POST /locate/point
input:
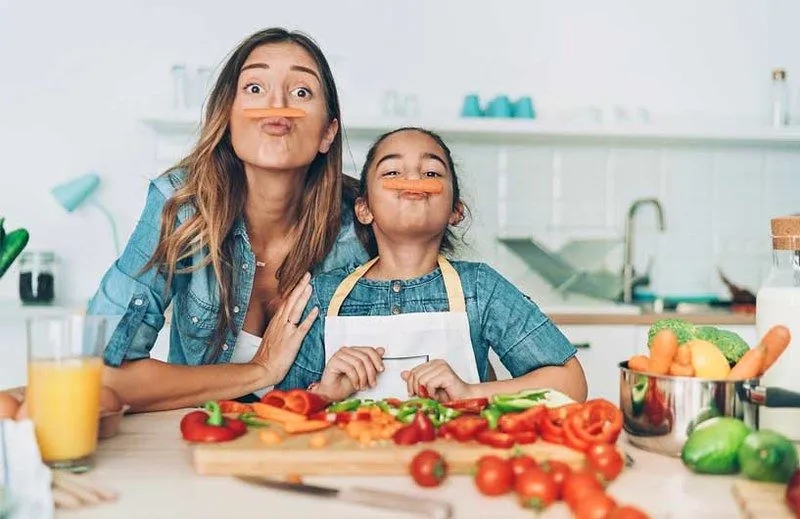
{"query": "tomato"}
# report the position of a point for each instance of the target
(605, 460)
(522, 463)
(627, 512)
(559, 472)
(595, 505)
(512, 422)
(524, 437)
(464, 428)
(536, 489)
(428, 468)
(468, 405)
(793, 493)
(496, 439)
(494, 476)
(577, 485)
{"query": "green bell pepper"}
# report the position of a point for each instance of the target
(492, 415)
(252, 420)
(344, 406)
(521, 401)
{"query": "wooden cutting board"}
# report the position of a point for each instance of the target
(761, 500)
(344, 456)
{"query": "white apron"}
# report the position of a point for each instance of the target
(409, 339)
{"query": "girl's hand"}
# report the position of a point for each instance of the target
(437, 380)
(285, 334)
(349, 370)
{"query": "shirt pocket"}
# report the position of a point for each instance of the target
(196, 321)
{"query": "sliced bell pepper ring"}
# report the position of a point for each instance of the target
(525, 437)
(571, 437)
(275, 398)
(304, 402)
(496, 439)
(465, 427)
(345, 405)
(492, 416)
(209, 425)
(597, 424)
(469, 405)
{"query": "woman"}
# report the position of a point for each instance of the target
(229, 235)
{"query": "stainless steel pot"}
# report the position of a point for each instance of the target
(661, 411)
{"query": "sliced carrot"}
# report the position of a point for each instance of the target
(317, 441)
(681, 370)
(293, 478)
(270, 436)
(663, 351)
(305, 426)
(232, 406)
(684, 356)
(275, 414)
(260, 113)
(639, 363)
(775, 341)
(423, 185)
(750, 365)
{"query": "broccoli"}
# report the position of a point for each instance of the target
(729, 343)
(684, 330)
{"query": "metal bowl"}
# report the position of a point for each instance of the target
(661, 411)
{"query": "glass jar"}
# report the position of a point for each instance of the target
(778, 303)
(37, 277)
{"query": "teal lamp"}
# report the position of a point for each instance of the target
(74, 193)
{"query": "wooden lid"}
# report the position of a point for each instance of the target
(786, 233)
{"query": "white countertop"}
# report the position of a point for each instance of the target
(150, 466)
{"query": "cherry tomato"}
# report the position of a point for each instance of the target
(522, 463)
(627, 512)
(578, 485)
(536, 489)
(559, 472)
(428, 468)
(494, 476)
(605, 460)
(595, 505)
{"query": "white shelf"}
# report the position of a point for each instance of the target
(14, 311)
(490, 130)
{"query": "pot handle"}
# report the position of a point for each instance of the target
(771, 396)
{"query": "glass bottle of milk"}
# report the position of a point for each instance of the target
(778, 302)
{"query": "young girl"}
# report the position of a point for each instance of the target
(409, 322)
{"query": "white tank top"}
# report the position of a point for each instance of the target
(243, 352)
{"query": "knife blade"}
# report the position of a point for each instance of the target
(432, 508)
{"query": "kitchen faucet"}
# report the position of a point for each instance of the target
(627, 263)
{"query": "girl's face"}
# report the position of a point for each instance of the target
(403, 215)
(280, 75)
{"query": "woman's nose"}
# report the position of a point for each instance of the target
(276, 98)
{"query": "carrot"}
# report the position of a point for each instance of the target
(681, 370)
(293, 478)
(317, 441)
(297, 426)
(775, 341)
(232, 406)
(684, 356)
(260, 113)
(275, 414)
(750, 365)
(639, 363)
(424, 185)
(663, 351)
(269, 436)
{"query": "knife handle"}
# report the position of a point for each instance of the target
(410, 503)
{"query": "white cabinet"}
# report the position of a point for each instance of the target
(600, 349)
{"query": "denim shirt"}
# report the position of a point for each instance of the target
(135, 302)
(500, 317)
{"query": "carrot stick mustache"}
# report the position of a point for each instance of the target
(260, 113)
(424, 185)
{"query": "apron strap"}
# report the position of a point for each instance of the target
(452, 283)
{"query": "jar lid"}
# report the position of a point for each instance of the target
(786, 233)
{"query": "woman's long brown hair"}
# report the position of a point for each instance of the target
(215, 187)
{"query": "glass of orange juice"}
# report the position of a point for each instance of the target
(64, 378)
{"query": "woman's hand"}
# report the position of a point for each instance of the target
(285, 334)
(349, 370)
(438, 381)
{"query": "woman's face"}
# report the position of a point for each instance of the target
(280, 75)
(408, 155)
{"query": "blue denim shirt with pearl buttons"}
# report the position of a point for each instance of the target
(136, 301)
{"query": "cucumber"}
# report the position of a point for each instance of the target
(2, 232)
(13, 243)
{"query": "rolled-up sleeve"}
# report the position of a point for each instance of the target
(133, 300)
(523, 337)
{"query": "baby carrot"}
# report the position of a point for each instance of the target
(663, 351)
(681, 370)
(639, 363)
(750, 365)
(775, 341)
(684, 356)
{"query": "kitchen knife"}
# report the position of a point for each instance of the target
(363, 496)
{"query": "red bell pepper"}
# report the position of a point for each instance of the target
(304, 402)
(406, 435)
(210, 426)
(464, 428)
(394, 402)
(468, 405)
(232, 406)
(524, 437)
(275, 398)
(599, 421)
(496, 439)
(427, 432)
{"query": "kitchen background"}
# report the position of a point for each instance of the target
(667, 100)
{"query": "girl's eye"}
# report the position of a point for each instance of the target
(433, 174)
(389, 174)
(253, 88)
(301, 92)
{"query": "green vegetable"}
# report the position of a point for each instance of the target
(437, 413)
(729, 343)
(768, 456)
(12, 245)
(638, 393)
(713, 447)
(520, 401)
(344, 406)
(684, 330)
(704, 415)
(252, 420)
(492, 415)
(2, 232)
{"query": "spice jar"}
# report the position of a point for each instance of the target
(778, 303)
(37, 277)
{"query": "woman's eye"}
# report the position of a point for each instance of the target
(301, 92)
(253, 88)
(389, 174)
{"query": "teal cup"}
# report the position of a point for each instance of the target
(500, 106)
(471, 106)
(523, 108)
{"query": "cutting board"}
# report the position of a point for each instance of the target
(343, 456)
(761, 500)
